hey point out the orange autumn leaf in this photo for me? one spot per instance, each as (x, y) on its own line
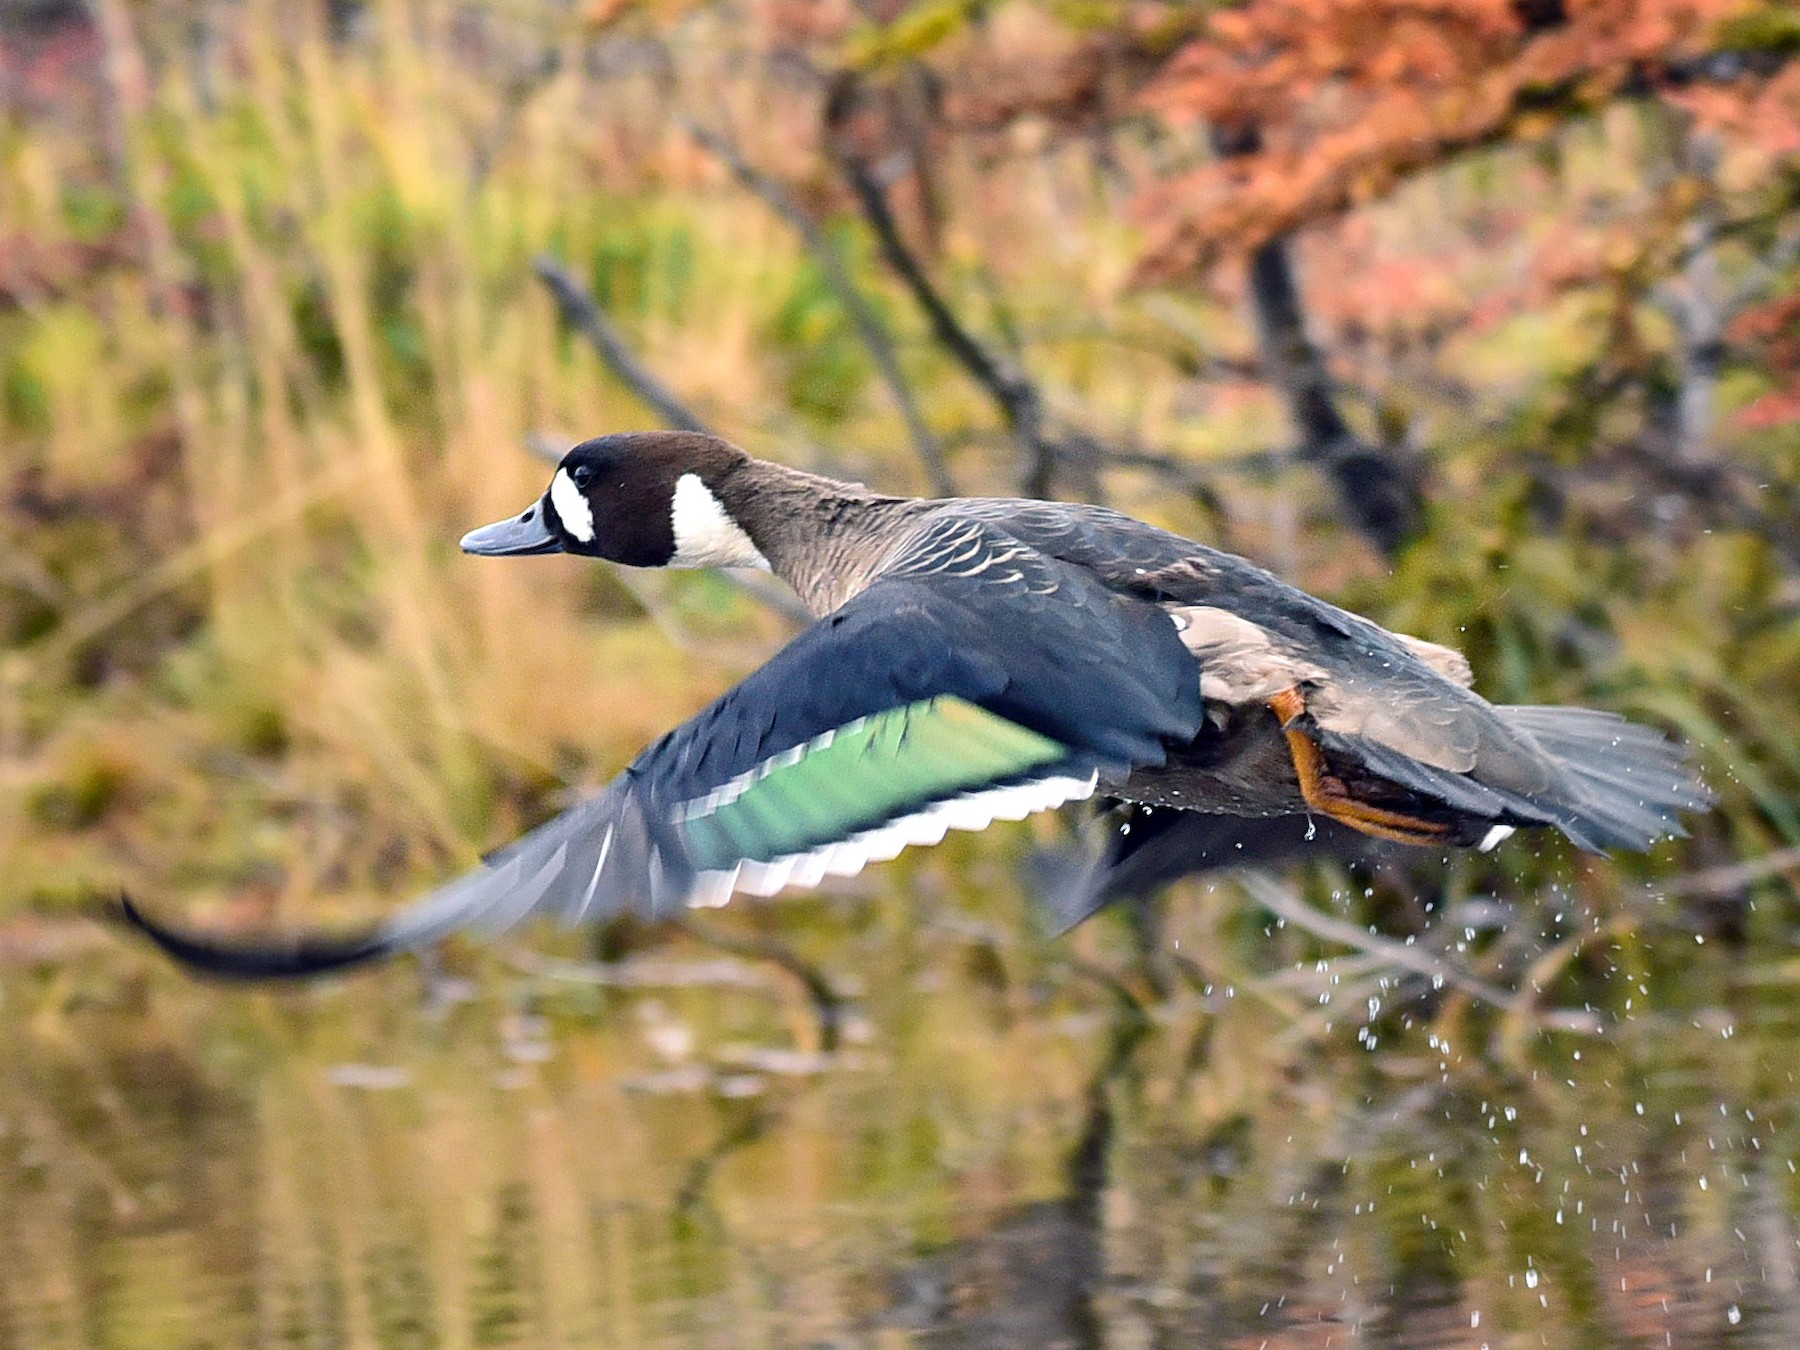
(1346, 97)
(1778, 407)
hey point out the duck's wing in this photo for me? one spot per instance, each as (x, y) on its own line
(974, 680)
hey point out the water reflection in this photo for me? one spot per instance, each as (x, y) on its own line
(1009, 1144)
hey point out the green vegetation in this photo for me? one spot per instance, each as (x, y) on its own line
(286, 344)
(270, 340)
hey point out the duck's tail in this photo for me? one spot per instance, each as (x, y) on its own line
(1627, 783)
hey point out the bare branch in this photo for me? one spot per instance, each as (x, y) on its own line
(581, 313)
(1721, 881)
(1191, 479)
(1018, 398)
(1023, 405)
(752, 1122)
(1383, 499)
(1717, 229)
(1287, 905)
(827, 1003)
(1698, 310)
(868, 324)
(1380, 495)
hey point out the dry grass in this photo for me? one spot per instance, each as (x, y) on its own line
(271, 343)
(257, 437)
(302, 349)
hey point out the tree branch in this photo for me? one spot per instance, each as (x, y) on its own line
(827, 1003)
(1732, 877)
(1699, 309)
(1380, 495)
(1288, 905)
(581, 313)
(868, 324)
(1018, 399)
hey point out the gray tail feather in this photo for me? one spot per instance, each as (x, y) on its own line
(1628, 783)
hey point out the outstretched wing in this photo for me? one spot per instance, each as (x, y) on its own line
(974, 680)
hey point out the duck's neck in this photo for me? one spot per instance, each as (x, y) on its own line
(825, 538)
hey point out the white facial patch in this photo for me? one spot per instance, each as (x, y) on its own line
(705, 534)
(572, 507)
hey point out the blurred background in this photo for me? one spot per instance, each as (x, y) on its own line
(1478, 316)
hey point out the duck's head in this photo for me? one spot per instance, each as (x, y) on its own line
(642, 498)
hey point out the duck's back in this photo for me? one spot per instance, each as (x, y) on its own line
(1374, 694)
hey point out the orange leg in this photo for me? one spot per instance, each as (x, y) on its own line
(1327, 795)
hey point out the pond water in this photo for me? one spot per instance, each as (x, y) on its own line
(990, 1141)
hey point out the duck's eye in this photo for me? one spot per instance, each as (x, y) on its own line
(582, 475)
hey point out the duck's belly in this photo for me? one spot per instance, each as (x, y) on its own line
(1240, 765)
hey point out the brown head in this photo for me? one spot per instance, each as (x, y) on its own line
(642, 498)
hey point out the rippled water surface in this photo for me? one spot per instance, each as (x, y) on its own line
(1013, 1143)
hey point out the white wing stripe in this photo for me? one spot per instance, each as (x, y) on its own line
(847, 857)
(587, 896)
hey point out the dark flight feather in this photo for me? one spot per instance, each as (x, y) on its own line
(1147, 848)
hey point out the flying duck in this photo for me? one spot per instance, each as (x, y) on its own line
(981, 659)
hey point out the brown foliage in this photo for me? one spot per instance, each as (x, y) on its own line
(1332, 101)
(1774, 330)
(1764, 114)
